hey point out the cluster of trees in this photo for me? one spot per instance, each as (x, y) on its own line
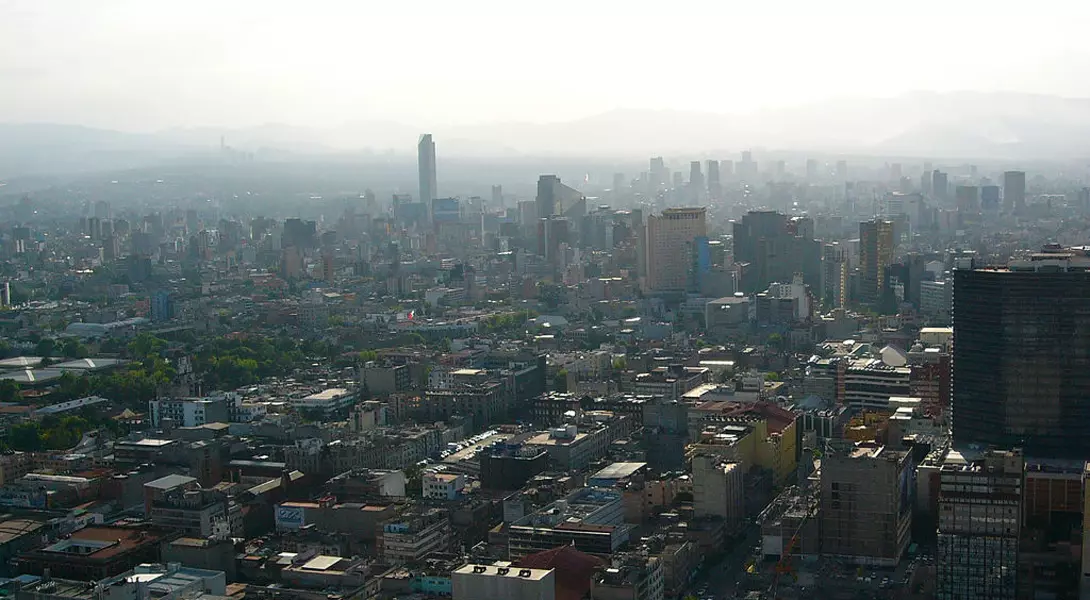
(66, 348)
(232, 363)
(56, 432)
(498, 323)
(132, 385)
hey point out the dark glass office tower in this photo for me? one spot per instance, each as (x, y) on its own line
(1022, 354)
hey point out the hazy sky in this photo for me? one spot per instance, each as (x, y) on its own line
(148, 64)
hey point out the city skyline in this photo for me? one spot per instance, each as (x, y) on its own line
(276, 62)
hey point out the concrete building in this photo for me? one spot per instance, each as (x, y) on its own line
(980, 519)
(1014, 191)
(94, 552)
(385, 379)
(670, 247)
(876, 245)
(591, 519)
(870, 383)
(937, 300)
(188, 412)
(502, 581)
(630, 576)
(195, 512)
(574, 446)
(411, 537)
(507, 466)
(326, 402)
(144, 582)
(425, 158)
(866, 504)
(717, 489)
(442, 486)
(770, 246)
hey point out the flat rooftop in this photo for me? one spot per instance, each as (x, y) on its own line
(330, 394)
(503, 570)
(619, 470)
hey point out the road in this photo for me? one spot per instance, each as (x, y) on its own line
(722, 577)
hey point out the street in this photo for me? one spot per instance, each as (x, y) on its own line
(721, 578)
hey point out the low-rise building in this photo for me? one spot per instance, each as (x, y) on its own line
(94, 552)
(188, 412)
(591, 519)
(630, 576)
(502, 581)
(327, 402)
(574, 446)
(411, 537)
(442, 486)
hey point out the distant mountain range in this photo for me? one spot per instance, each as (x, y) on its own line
(966, 125)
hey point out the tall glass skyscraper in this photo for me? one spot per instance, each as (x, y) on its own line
(1022, 354)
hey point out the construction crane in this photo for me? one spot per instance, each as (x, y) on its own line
(784, 564)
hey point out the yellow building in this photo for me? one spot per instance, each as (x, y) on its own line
(758, 434)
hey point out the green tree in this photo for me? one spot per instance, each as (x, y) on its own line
(775, 341)
(145, 345)
(73, 348)
(9, 391)
(368, 356)
(45, 347)
(25, 437)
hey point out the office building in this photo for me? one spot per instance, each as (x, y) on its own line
(425, 162)
(980, 518)
(188, 412)
(835, 276)
(555, 198)
(989, 198)
(696, 181)
(770, 247)
(507, 466)
(630, 576)
(94, 552)
(657, 174)
(866, 504)
(876, 245)
(842, 170)
(1014, 191)
(811, 170)
(1022, 354)
(502, 581)
(411, 537)
(939, 186)
(718, 487)
(670, 247)
(715, 188)
(162, 307)
(869, 383)
(591, 519)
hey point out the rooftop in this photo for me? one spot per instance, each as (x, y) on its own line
(619, 470)
(170, 482)
(503, 570)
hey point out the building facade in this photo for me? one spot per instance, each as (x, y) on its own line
(1022, 354)
(670, 238)
(980, 506)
